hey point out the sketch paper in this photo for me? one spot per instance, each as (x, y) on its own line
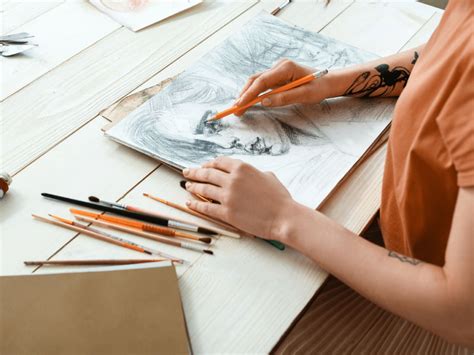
(138, 14)
(309, 147)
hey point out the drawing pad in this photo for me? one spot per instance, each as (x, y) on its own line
(310, 148)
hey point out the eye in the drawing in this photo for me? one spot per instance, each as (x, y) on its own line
(208, 127)
(212, 128)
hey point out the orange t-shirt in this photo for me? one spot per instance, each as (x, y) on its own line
(431, 146)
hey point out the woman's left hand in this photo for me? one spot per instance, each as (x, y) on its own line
(250, 200)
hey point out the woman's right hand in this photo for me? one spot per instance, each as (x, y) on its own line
(281, 73)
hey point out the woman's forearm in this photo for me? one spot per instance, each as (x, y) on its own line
(382, 77)
(417, 291)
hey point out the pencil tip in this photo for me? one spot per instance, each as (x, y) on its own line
(94, 199)
(208, 252)
(205, 240)
(145, 194)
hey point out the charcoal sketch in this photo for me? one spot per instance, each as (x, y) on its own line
(309, 147)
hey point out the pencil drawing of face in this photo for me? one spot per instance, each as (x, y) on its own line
(259, 132)
(172, 126)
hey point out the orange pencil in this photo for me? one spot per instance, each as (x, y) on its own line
(301, 81)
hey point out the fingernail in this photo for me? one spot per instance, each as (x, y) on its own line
(188, 203)
(236, 102)
(266, 102)
(185, 171)
(188, 185)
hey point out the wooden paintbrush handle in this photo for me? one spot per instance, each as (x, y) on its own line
(92, 262)
(167, 231)
(160, 230)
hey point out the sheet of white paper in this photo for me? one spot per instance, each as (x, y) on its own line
(138, 14)
(309, 147)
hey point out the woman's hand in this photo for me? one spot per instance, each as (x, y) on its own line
(252, 201)
(280, 74)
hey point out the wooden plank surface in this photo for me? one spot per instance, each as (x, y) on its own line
(73, 93)
(72, 146)
(83, 165)
(425, 32)
(60, 34)
(15, 13)
(379, 27)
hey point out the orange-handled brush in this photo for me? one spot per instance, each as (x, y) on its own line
(301, 81)
(65, 223)
(142, 226)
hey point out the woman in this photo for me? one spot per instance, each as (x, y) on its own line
(427, 273)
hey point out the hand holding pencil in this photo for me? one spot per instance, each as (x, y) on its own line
(290, 83)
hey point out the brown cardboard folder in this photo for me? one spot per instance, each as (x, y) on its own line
(127, 310)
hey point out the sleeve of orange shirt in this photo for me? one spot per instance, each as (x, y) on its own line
(456, 122)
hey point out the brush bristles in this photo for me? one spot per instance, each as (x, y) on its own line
(205, 240)
(208, 252)
(203, 230)
(94, 199)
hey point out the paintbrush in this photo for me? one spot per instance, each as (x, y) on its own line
(92, 262)
(165, 240)
(123, 212)
(231, 231)
(140, 225)
(301, 81)
(106, 238)
(118, 239)
(184, 225)
(280, 7)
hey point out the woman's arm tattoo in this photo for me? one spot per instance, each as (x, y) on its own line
(403, 258)
(384, 82)
(415, 58)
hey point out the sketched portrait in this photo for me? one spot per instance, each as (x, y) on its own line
(295, 141)
(189, 137)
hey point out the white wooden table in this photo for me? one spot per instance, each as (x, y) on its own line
(247, 295)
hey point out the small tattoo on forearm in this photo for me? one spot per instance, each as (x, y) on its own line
(383, 83)
(403, 258)
(415, 58)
